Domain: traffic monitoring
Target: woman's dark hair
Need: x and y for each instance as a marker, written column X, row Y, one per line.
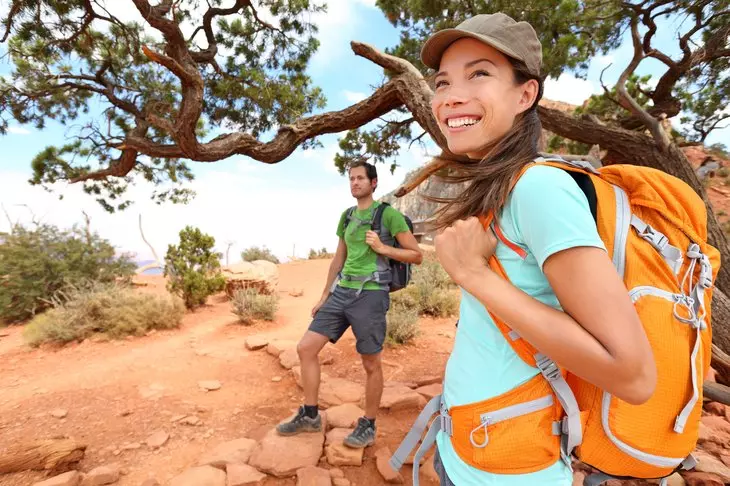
column 489, row 179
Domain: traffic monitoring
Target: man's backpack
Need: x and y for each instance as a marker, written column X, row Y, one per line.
column 654, row 227
column 391, row 273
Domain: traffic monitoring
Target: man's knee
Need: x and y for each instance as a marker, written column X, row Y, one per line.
column 309, row 348
column 372, row 363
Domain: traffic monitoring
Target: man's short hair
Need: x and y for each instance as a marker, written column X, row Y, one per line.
column 370, row 170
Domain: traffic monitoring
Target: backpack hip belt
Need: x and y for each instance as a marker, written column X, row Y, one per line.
column 521, row 431
column 655, row 230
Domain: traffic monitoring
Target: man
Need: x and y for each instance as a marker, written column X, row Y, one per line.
column 354, row 301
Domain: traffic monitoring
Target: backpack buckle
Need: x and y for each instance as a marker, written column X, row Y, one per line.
column 547, row 367
column 655, row 238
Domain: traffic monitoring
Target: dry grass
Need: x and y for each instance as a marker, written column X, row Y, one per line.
column 112, row 310
column 250, row 305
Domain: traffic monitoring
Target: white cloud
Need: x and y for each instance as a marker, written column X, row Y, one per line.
column 18, row 130
column 570, row 89
column 335, row 29
column 354, row 96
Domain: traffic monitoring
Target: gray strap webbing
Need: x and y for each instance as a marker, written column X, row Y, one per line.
column 513, row 335
column 414, row 435
column 684, row 414
column 428, row 441
column 596, row 479
column 689, row 463
column 671, row 254
column 572, row 427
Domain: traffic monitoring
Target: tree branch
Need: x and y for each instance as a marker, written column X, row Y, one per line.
column 407, row 86
column 629, row 103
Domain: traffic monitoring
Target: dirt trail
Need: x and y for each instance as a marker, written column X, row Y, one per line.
column 118, row 393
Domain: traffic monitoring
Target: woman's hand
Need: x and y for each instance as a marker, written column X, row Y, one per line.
column 464, row 248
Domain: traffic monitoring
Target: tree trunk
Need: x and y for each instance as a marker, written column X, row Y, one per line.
column 629, row 147
column 56, row 455
column 716, row 392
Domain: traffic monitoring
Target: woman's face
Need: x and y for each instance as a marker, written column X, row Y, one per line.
column 476, row 99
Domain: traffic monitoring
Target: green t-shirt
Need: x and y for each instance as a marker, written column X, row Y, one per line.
column 361, row 259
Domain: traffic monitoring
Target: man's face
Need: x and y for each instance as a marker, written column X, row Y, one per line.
column 360, row 185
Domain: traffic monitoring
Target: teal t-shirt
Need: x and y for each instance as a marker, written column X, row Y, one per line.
column 361, row 259
column 545, row 213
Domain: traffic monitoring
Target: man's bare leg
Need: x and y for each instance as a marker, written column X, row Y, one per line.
column 374, row 385
column 364, row 433
column 308, row 349
column 308, row 418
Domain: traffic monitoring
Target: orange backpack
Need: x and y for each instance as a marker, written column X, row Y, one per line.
column 654, row 227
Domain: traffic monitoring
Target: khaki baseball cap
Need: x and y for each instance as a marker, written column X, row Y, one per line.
column 514, row 39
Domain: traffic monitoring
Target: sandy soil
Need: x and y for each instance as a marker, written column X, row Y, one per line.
column 119, row 393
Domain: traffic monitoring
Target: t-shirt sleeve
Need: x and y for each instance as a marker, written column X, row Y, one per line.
column 341, row 225
column 551, row 213
column 394, row 221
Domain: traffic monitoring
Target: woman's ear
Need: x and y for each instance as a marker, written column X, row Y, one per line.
column 528, row 95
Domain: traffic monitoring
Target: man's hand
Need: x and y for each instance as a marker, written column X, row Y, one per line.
column 372, row 239
column 319, row 304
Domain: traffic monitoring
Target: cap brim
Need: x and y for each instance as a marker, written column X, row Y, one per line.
column 435, row 46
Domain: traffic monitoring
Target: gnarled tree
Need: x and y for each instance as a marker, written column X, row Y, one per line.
column 240, row 65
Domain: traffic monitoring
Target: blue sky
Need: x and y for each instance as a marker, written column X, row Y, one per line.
column 291, row 206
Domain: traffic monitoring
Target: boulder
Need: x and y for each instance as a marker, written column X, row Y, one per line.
column 232, row 452
column 283, row 456
column 261, row 275
column 101, row 475
column 244, row 475
column 313, row 476
column 344, row 416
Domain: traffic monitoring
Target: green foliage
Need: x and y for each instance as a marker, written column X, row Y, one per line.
column 250, row 305
column 111, row 310
column 723, row 172
column 35, row 263
column 719, row 150
column 255, row 253
column 430, row 293
column 193, row 268
column 319, row 255
column 64, row 65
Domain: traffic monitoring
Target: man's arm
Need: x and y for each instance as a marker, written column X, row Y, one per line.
column 410, row 253
column 337, row 262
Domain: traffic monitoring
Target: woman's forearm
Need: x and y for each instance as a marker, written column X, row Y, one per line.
column 556, row 334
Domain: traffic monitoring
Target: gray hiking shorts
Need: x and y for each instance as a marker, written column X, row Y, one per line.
column 364, row 312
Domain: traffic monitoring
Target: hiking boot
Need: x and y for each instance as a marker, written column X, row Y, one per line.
column 300, row 423
column 362, row 436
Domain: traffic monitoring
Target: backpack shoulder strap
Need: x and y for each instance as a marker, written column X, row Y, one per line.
column 378, row 217
column 348, row 216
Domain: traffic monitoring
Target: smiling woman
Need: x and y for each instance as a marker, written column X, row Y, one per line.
column 554, row 295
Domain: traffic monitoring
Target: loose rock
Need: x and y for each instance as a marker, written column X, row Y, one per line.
column 210, row 385
column 59, row 413
column 254, row 343
column 244, row 475
column 200, row 476
column 283, row 456
column 71, row 478
column 313, row 476
column 382, row 458
column 101, row 475
column 157, row 440
column 344, row 415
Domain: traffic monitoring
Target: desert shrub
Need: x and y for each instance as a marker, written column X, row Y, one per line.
column 35, row 263
column 321, row 254
column 193, row 268
column 431, row 292
column 255, row 253
column 402, row 324
column 723, row 172
column 250, row 305
column 110, row 309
